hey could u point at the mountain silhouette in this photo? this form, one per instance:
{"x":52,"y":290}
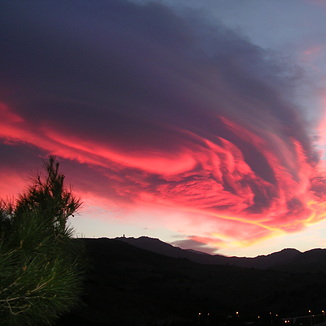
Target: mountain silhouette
{"x":128,"y":285}
{"x":277,"y":259}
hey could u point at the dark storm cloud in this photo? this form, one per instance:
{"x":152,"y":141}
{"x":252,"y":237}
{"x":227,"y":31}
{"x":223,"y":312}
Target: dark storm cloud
{"x":194,"y":245}
{"x":120,"y":58}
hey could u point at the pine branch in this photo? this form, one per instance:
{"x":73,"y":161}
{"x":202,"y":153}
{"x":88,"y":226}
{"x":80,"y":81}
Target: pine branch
{"x":40,"y":275}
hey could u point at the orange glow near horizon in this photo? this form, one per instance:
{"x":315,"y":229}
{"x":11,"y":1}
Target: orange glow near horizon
{"x":209,"y":182}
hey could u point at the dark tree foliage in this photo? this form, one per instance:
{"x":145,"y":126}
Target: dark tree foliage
{"x":40,"y":269}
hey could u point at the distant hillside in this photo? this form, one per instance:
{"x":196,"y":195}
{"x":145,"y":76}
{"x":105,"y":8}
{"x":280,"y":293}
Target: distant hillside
{"x":126,"y":285}
{"x":160,"y":247}
{"x":310,"y":261}
{"x":286,"y":259}
{"x":273,"y":260}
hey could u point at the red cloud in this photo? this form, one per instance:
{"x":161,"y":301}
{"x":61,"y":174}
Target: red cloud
{"x":209,"y":182}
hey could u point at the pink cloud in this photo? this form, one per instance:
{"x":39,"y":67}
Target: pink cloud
{"x":208,"y":182}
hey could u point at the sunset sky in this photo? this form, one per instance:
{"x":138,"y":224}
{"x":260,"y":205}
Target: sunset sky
{"x":202,"y":123}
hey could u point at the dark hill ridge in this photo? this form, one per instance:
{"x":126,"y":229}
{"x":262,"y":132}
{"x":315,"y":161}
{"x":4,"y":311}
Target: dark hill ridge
{"x":291,"y":260}
{"x":267,"y":261}
{"x":309,"y":261}
{"x":160,"y":247}
{"x":126,"y":285}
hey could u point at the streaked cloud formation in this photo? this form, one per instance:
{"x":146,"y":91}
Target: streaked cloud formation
{"x":161,"y":112}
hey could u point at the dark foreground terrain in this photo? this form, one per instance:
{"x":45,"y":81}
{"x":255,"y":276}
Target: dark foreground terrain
{"x":127,"y":285}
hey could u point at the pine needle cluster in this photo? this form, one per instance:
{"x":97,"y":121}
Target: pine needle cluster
{"x":40,"y":269}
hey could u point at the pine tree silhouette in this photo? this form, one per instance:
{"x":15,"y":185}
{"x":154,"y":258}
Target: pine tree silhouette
{"x":40,"y":263}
